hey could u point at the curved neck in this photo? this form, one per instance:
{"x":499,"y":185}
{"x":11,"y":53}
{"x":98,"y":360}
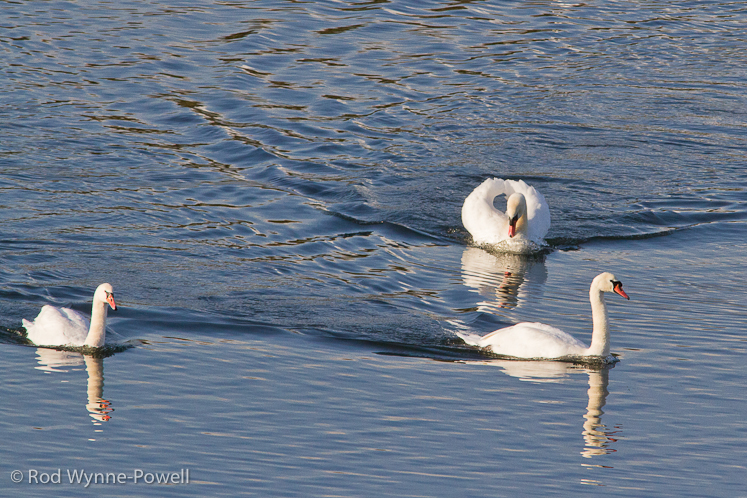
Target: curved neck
{"x":97,"y":331}
{"x":600,"y":335}
{"x":522,"y":225}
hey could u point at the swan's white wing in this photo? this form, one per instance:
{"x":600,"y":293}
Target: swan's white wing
{"x":57,"y":327}
{"x":529,"y":340}
{"x":472,"y":339}
{"x":483,"y":221}
{"x":77,"y":326}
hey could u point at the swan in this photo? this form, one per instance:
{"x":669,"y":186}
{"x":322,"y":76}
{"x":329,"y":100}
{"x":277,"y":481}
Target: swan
{"x":525,"y":222}
{"x":537,"y":340}
{"x":65,"y":327}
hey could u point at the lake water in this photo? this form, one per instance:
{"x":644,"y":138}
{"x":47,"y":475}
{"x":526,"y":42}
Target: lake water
{"x":274,"y":190}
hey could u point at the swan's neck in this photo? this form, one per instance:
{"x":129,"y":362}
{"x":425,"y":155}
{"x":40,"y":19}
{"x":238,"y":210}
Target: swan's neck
{"x":600,"y":335}
{"x":97,"y":331}
{"x":521,"y":225}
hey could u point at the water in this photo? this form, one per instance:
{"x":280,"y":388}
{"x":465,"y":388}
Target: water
{"x":274,"y":190}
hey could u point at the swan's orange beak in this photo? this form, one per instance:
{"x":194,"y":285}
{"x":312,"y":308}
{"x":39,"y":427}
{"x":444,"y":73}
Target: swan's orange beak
{"x":617,"y":287}
{"x":110,"y":300}
{"x":512,"y":227}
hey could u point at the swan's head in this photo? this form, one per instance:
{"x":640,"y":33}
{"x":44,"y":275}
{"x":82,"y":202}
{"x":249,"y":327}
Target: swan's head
{"x":105,"y":294}
{"x":516,"y":210}
{"x":606,"y":282}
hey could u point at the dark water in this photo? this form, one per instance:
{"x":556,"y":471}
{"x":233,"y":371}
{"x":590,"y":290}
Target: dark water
{"x":274,"y":190}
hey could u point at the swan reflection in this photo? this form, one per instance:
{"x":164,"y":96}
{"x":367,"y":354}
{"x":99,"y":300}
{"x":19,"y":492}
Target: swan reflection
{"x":500,"y":277}
{"x":596,"y":435}
{"x":52,"y":360}
{"x":598,"y":439}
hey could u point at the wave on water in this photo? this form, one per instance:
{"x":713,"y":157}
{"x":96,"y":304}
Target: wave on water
{"x":452,"y":350}
{"x":18,"y":336}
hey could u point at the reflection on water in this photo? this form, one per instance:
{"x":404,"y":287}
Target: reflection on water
{"x":500,"y":278}
{"x":98,"y":407}
{"x":597,"y":439}
{"x":52,"y":360}
{"x":536,"y":371}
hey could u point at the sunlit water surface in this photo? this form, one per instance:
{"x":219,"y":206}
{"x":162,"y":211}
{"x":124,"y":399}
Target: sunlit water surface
{"x":274,"y":190}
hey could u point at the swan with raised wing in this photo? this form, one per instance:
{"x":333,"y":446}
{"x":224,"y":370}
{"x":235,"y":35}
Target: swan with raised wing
{"x":521,"y":228}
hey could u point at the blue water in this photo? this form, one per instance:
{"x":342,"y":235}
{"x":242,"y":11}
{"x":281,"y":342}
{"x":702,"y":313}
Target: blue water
{"x":274,"y":190}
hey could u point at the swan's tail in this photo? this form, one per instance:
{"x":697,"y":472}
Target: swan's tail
{"x":472,"y":339}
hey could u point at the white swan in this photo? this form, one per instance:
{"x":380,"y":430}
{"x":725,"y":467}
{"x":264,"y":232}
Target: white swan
{"x":525,"y":222}
{"x":537,"y":340}
{"x":65,"y":327}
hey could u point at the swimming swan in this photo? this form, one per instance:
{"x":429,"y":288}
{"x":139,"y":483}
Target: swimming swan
{"x":537,"y":340}
{"x":526,"y":220}
{"x":65,"y":327}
